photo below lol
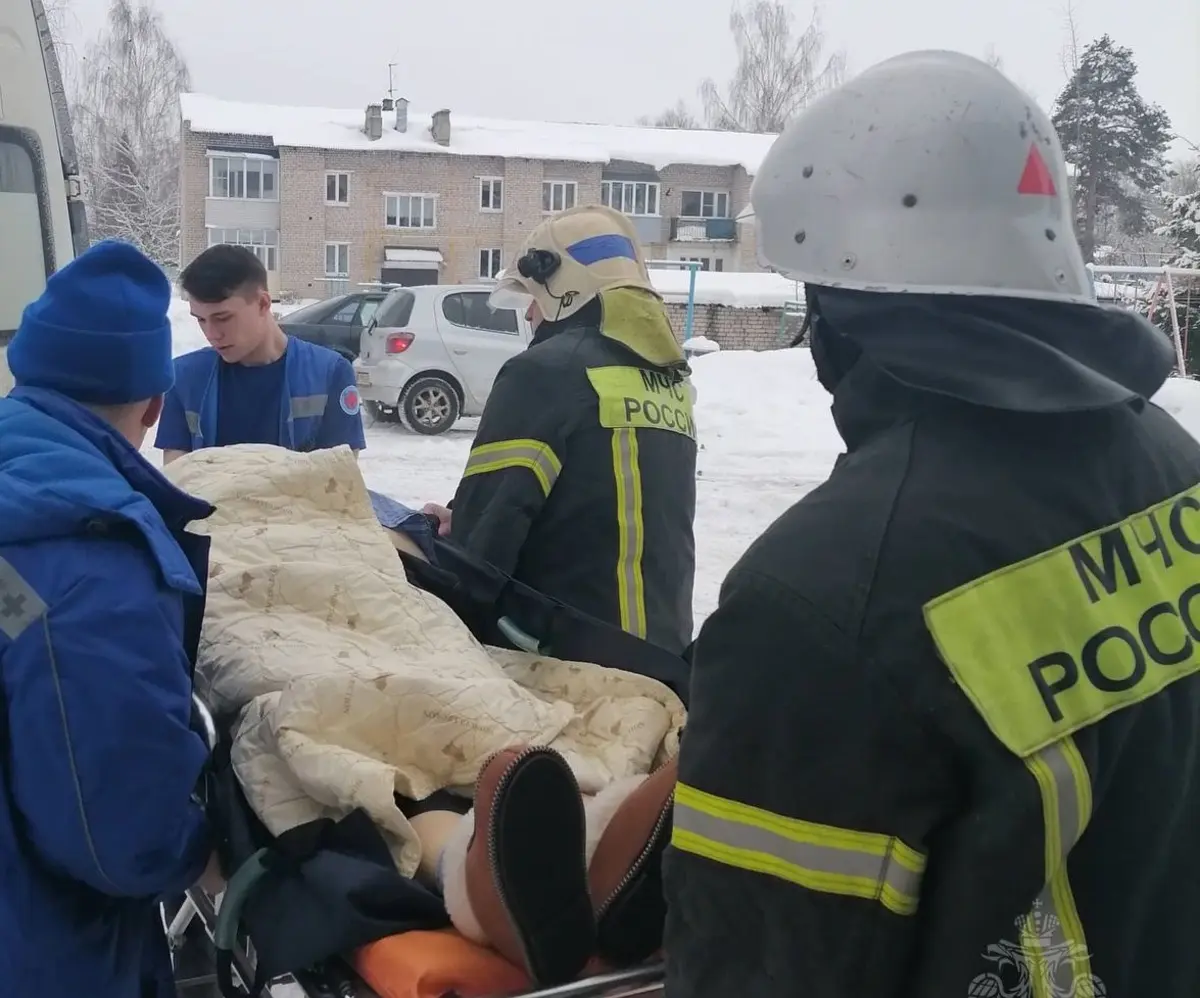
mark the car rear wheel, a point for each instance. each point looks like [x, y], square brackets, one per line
[429, 405]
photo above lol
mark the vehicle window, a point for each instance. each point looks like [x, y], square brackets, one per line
[368, 310]
[344, 316]
[314, 312]
[471, 309]
[396, 309]
[26, 246]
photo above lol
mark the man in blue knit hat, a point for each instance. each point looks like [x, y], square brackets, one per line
[101, 598]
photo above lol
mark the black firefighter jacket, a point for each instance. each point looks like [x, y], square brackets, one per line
[944, 735]
[581, 482]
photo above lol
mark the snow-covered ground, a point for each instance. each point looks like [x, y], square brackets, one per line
[766, 439]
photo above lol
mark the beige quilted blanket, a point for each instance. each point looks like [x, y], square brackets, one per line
[350, 684]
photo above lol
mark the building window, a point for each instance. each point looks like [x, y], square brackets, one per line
[264, 243]
[337, 188]
[254, 178]
[558, 195]
[410, 211]
[632, 197]
[489, 263]
[491, 194]
[704, 204]
[337, 260]
[706, 262]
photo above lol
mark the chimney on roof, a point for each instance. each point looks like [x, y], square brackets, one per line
[402, 114]
[374, 122]
[440, 129]
[388, 103]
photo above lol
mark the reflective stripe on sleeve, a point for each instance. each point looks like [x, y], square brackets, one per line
[193, 422]
[305, 406]
[819, 857]
[538, 457]
[631, 531]
[1053, 929]
[20, 606]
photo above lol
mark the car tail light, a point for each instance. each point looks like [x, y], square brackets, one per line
[399, 342]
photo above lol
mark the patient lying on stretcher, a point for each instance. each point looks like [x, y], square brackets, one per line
[347, 686]
[545, 875]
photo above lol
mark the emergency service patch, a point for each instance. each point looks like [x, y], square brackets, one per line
[349, 400]
[1054, 643]
[643, 399]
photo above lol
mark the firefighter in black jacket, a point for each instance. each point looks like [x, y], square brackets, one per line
[581, 482]
[944, 734]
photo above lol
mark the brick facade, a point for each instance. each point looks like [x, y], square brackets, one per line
[737, 328]
[307, 223]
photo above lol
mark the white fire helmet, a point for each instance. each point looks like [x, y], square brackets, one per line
[929, 173]
[569, 259]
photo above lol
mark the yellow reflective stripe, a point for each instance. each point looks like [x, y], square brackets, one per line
[819, 857]
[193, 421]
[1052, 936]
[532, 454]
[631, 531]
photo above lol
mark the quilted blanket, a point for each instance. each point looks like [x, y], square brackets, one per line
[350, 685]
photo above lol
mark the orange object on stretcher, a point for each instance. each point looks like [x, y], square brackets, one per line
[438, 963]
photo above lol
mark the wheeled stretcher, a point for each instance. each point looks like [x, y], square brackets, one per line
[437, 962]
[417, 964]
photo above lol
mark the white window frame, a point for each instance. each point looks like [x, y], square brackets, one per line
[571, 186]
[714, 196]
[491, 262]
[494, 186]
[263, 242]
[389, 195]
[334, 273]
[338, 189]
[628, 196]
[712, 262]
[243, 160]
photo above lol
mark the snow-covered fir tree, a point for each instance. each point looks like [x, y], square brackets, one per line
[1115, 140]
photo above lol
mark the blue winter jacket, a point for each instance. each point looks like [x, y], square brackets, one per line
[100, 611]
[307, 368]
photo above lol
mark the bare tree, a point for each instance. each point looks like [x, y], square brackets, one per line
[1183, 178]
[779, 70]
[993, 58]
[127, 118]
[678, 116]
[1071, 50]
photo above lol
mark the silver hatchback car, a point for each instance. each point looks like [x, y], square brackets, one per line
[431, 354]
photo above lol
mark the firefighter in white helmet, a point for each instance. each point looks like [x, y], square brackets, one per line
[944, 730]
[581, 482]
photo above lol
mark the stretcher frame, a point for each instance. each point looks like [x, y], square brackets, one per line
[198, 906]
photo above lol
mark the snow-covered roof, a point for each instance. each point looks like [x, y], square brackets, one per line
[739, 290]
[333, 128]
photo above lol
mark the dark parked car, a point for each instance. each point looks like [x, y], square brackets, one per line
[336, 323]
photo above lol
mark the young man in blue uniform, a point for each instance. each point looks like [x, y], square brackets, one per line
[101, 598]
[253, 384]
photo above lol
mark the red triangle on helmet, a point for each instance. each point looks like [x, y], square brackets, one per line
[1036, 178]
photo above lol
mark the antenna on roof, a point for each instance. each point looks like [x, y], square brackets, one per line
[391, 89]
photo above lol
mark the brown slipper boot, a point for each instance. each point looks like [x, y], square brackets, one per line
[625, 874]
[526, 872]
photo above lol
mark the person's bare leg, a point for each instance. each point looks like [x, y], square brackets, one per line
[434, 829]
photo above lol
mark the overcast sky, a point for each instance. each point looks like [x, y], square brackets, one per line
[613, 60]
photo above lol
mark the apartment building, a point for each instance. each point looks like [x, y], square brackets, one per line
[331, 199]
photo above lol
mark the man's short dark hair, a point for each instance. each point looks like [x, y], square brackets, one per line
[221, 272]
